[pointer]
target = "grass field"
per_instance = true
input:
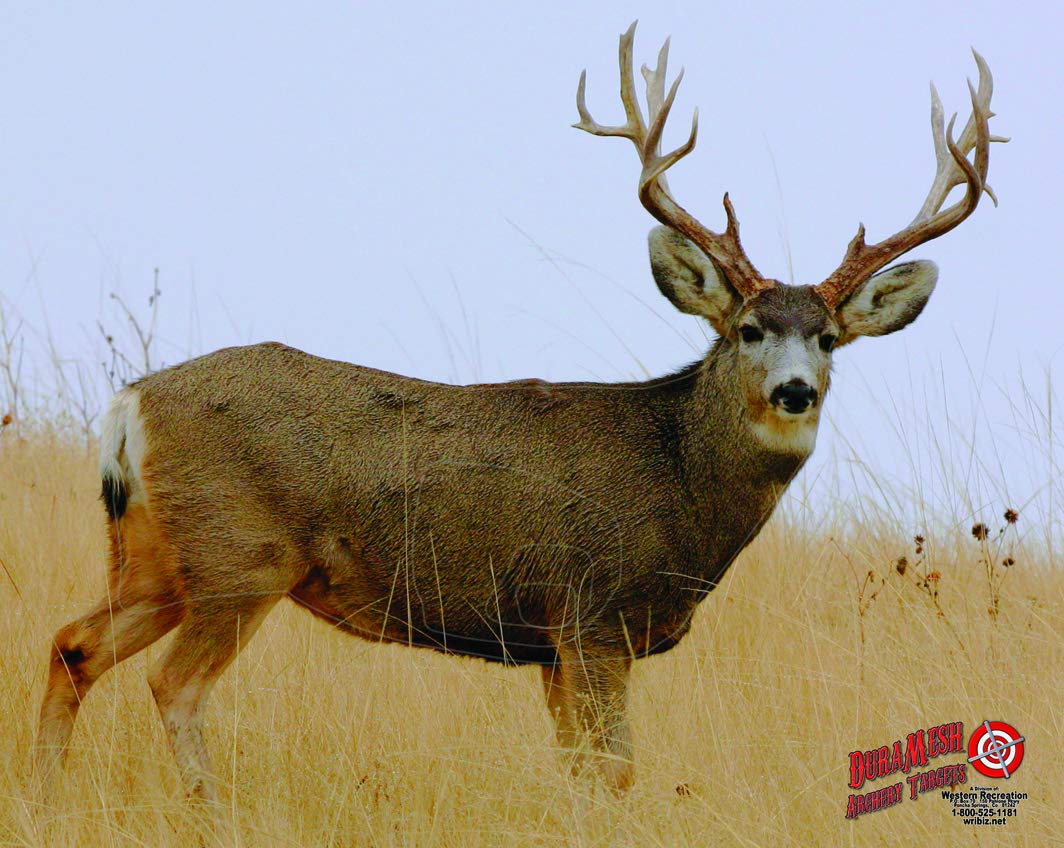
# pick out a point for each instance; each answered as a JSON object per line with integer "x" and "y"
{"x": 815, "y": 645}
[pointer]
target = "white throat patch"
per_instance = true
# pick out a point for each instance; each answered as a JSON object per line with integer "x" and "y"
{"x": 789, "y": 434}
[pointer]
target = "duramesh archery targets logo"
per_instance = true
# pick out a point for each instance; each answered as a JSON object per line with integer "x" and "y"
{"x": 995, "y": 749}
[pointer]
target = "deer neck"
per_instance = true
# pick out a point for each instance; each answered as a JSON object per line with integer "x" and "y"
{"x": 735, "y": 473}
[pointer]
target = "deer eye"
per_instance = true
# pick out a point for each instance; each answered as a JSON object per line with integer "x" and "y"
{"x": 827, "y": 342}
{"x": 750, "y": 334}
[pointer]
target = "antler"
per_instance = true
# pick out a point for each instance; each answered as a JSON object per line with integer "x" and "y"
{"x": 953, "y": 168}
{"x": 724, "y": 248}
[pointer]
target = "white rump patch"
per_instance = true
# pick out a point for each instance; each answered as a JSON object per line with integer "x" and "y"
{"x": 122, "y": 442}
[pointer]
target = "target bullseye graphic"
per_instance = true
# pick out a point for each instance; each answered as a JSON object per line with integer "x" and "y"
{"x": 995, "y": 749}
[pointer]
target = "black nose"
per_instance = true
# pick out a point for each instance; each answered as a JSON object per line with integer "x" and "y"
{"x": 795, "y": 396}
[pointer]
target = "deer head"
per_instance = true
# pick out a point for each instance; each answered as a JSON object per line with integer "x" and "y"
{"x": 781, "y": 336}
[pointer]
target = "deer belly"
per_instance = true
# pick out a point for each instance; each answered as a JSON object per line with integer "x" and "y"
{"x": 400, "y": 613}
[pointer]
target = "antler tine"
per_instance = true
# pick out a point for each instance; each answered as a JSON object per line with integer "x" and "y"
{"x": 633, "y": 128}
{"x": 628, "y": 96}
{"x": 947, "y": 173}
{"x": 655, "y": 80}
{"x": 724, "y": 248}
{"x": 953, "y": 168}
{"x": 654, "y": 164}
{"x": 656, "y": 108}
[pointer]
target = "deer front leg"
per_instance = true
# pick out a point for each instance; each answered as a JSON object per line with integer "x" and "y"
{"x": 587, "y": 695}
{"x": 560, "y": 708}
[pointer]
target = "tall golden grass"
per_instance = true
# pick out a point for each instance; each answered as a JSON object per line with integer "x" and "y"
{"x": 813, "y": 646}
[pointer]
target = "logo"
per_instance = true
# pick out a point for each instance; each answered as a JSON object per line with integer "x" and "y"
{"x": 995, "y": 749}
{"x": 913, "y": 755}
{"x": 907, "y": 768}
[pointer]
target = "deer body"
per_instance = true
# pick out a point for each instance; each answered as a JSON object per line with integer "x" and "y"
{"x": 575, "y": 526}
{"x": 361, "y": 488}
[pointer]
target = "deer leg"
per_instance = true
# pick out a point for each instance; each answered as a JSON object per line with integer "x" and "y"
{"x": 143, "y": 605}
{"x": 81, "y": 652}
{"x": 560, "y": 707}
{"x": 594, "y": 693}
{"x": 181, "y": 681}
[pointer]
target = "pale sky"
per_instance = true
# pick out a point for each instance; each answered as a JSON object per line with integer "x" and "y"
{"x": 398, "y": 185}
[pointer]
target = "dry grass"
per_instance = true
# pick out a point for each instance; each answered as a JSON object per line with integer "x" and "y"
{"x": 797, "y": 659}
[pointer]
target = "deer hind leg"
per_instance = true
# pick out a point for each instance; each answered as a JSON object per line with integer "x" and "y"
{"x": 209, "y": 638}
{"x": 589, "y": 701}
{"x": 143, "y": 604}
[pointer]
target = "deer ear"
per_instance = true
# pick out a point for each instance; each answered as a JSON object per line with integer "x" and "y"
{"x": 887, "y": 301}
{"x": 688, "y": 278}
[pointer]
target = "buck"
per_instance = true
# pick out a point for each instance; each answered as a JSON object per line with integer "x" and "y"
{"x": 574, "y": 526}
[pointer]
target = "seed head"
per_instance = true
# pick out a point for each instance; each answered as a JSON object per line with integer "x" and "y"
{"x": 980, "y": 531}
{"x": 900, "y": 564}
{"x": 1011, "y": 516}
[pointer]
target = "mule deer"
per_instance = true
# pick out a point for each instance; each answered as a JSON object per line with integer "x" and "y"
{"x": 574, "y": 526}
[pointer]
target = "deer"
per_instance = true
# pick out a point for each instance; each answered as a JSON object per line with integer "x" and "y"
{"x": 575, "y": 526}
